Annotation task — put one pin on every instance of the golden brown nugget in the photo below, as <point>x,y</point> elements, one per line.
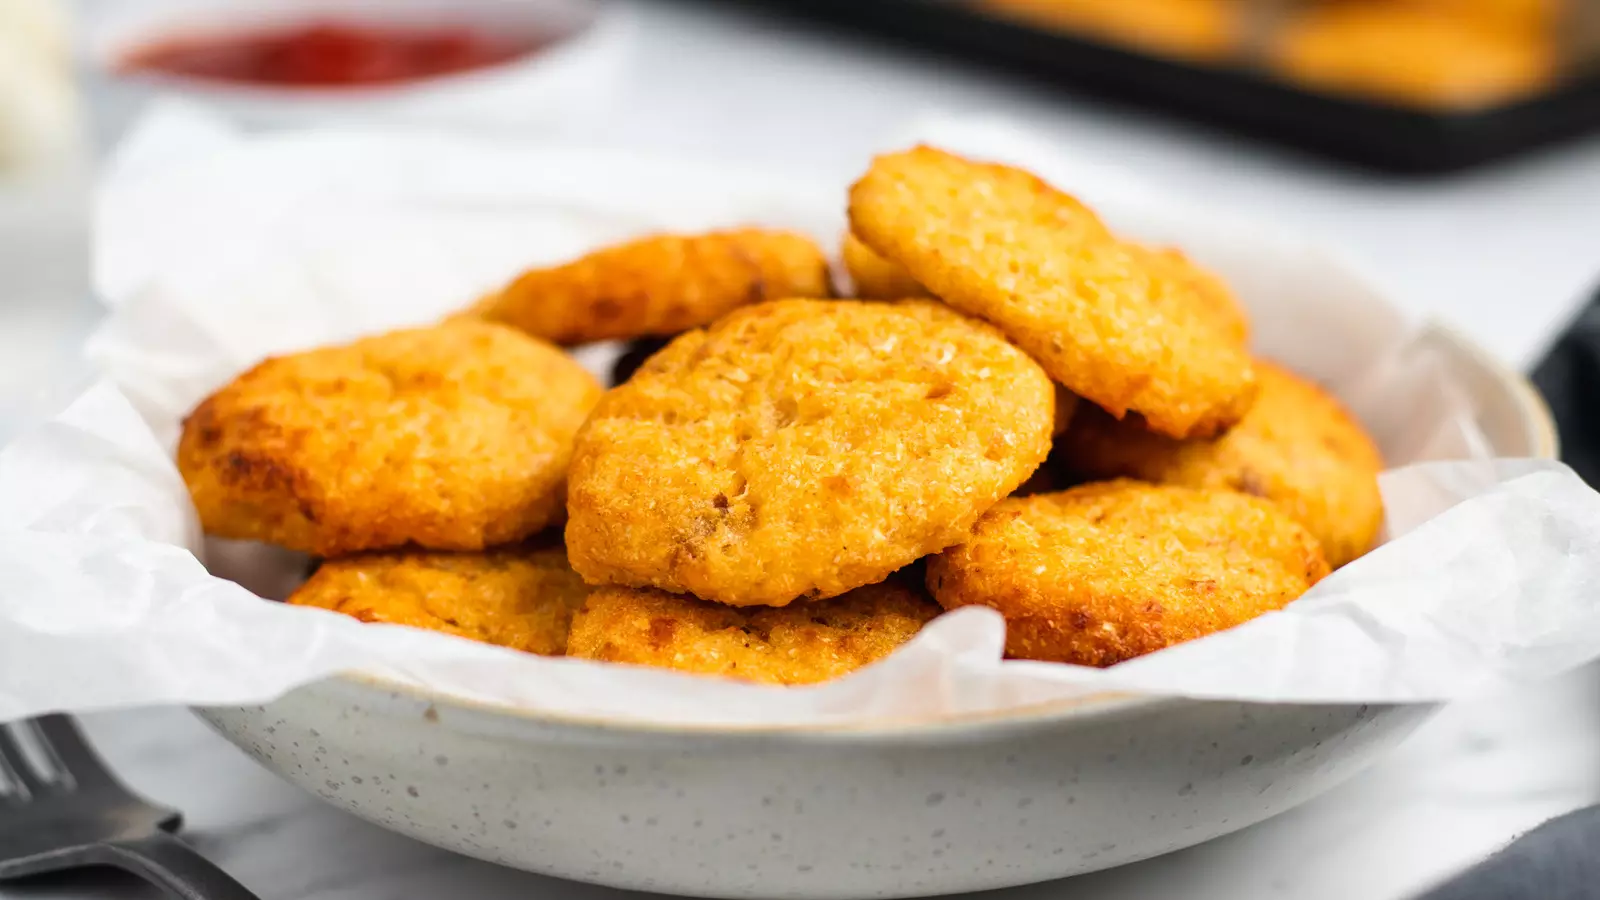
<point>876,278</point>
<point>1002,245</point>
<point>802,643</point>
<point>1210,295</point>
<point>1112,570</point>
<point>514,597</point>
<point>659,285</point>
<point>1297,447</point>
<point>449,438</point>
<point>803,448</point>
<point>1415,56</point>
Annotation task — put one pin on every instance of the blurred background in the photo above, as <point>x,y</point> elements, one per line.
<point>1446,144</point>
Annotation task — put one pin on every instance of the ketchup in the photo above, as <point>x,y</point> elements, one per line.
<point>328,54</point>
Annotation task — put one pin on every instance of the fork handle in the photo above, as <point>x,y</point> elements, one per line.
<point>173,866</point>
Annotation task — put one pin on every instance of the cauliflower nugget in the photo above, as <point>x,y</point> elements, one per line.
<point>803,448</point>
<point>1297,447</point>
<point>514,597</point>
<point>659,285</point>
<point>802,643</point>
<point>1003,245</point>
<point>1112,570</point>
<point>448,438</point>
<point>876,278</point>
<point>1209,295</point>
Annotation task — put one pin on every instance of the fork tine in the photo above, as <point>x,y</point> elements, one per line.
<point>60,737</point>
<point>10,784</point>
<point>15,763</point>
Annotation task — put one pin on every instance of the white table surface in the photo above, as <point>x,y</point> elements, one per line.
<point>1504,252</point>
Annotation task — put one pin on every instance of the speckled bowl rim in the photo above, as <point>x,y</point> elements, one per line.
<point>1539,432</point>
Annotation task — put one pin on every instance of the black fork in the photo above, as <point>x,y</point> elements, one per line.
<point>60,808</point>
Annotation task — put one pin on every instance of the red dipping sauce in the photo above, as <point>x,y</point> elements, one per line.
<point>329,54</point>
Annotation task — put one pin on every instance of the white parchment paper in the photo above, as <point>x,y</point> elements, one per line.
<point>215,250</point>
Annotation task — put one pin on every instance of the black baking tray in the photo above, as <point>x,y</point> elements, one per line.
<point>1368,133</point>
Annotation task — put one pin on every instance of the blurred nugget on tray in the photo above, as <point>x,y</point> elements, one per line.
<point>659,285</point>
<point>1445,55</point>
<point>450,438</point>
<point>1430,55</point>
<point>1197,30</point>
<point>518,597</point>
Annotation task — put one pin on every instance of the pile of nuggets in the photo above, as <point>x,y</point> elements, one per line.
<point>1018,409</point>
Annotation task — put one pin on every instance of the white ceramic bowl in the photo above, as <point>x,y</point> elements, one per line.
<point>894,809</point>
<point>561,85</point>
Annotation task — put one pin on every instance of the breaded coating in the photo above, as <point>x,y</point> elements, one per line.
<point>802,643</point>
<point>659,285</point>
<point>1112,570</point>
<point>876,278</point>
<point>1003,245</point>
<point>1415,55</point>
<point>515,597</point>
<point>1297,447</point>
<point>1183,29</point>
<point>802,448</point>
<point>455,437</point>
<point>1210,295</point>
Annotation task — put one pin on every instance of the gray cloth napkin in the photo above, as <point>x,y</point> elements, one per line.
<point>1559,860</point>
